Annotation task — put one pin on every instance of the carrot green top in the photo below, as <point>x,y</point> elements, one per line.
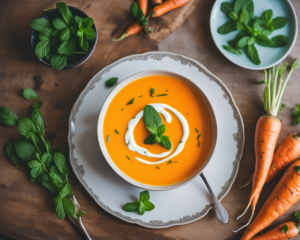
<point>273,91</point>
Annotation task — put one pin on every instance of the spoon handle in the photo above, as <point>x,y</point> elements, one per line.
<point>222,215</point>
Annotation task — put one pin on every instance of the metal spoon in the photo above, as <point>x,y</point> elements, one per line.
<point>222,215</point>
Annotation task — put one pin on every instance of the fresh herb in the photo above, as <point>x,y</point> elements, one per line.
<point>30,94</point>
<point>199,136</point>
<point>297,215</point>
<point>107,138</point>
<point>169,162</point>
<point>157,167</point>
<point>161,95</point>
<point>152,90</point>
<point>111,82</point>
<point>117,131</point>
<point>140,96</point>
<point>58,39</point>
<point>37,105</point>
<point>128,157</point>
<point>47,9</point>
<point>199,144</point>
<point>154,125</point>
<point>130,102</point>
<point>252,30</point>
<point>196,130</point>
<point>122,109</point>
<point>285,228</point>
<point>142,205</point>
<point>7,117</point>
<point>138,14</point>
<point>47,165</point>
<point>295,114</point>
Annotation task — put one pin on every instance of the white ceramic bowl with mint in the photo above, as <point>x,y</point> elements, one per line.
<point>268,56</point>
<point>101,138</point>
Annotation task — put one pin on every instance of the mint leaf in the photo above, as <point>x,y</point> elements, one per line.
<point>60,213</point>
<point>80,213</point>
<point>131,207</point>
<point>84,44</point>
<point>58,61</point>
<point>42,48</point>
<point>149,206</point>
<point>46,182</point>
<point>59,24</point>
<point>70,194</point>
<point>38,121</point>
<point>60,162</point>
<point>34,164</point>
<point>87,23</point>
<point>65,190</point>
<point>151,139</point>
<point>279,22</point>
<point>25,150</point>
<point>78,21</point>
<point>11,152</point>
<point>37,105</point>
<point>142,208</point>
<point>44,36</point>
<point>165,142</point>
<point>36,168</point>
<point>144,196</point>
<point>134,9</point>
<point>65,34</point>
<point>30,94</point>
<point>67,47</point>
<point>161,130</point>
<point>297,215</point>
<point>65,13</point>
<point>46,159</point>
<point>55,178</point>
<point>68,206</point>
<point>111,82</point>
<point>26,126</point>
<point>152,119</point>
<point>41,25</point>
<point>7,117</point>
<point>89,34</point>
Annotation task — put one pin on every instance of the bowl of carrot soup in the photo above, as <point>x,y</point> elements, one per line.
<point>157,130</point>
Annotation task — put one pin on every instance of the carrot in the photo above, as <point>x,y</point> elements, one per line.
<point>167,6</point>
<point>283,197</point>
<point>279,234</point>
<point>287,152</point>
<point>266,134</point>
<point>135,28</point>
<point>156,2</point>
<point>143,4</point>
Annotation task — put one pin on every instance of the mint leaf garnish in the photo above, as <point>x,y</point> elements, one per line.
<point>142,205</point>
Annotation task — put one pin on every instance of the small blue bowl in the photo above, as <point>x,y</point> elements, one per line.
<point>75,60</point>
<point>268,56</point>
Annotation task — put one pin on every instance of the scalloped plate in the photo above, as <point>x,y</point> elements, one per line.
<point>110,191</point>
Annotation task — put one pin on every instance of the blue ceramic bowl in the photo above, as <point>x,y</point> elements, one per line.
<point>77,59</point>
<point>268,56</point>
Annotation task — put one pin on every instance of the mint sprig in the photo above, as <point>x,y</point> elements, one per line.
<point>154,125</point>
<point>142,205</point>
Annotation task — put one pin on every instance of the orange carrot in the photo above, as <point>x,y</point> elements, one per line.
<point>135,28</point>
<point>167,6</point>
<point>266,134</point>
<point>143,4</point>
<point>283,197</point>
<point>156,2</point>
<point>278,233</point>
<point>287,152</point>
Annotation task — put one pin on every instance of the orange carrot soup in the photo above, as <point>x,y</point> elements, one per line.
<point>183,105</point>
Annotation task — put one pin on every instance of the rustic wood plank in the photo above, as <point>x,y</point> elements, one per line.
<point>27,210</point>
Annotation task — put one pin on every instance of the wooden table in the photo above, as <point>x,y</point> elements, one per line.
<point>27,210</point>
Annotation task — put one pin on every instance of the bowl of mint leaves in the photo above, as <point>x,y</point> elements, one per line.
<point>64,37</point>
<point>254,34</point>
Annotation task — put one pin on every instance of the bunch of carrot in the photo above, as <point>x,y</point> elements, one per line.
<point>159,9</point>
<point>268,165</point>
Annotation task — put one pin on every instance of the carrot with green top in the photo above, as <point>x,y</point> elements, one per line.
<point>287,152</point>
<point>136,27</point>
<point>167,6</point>
<point>284,196</point>
<point>267,130</point>
<point>284,231</point>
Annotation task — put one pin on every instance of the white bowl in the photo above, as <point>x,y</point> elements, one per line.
<point>101,121</point>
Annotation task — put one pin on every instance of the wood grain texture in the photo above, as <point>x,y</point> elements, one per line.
<point>27,211</point>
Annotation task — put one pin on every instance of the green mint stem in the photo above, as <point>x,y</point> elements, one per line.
<point>44,142</point>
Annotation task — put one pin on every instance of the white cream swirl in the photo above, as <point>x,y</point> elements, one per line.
<point>131,144</point>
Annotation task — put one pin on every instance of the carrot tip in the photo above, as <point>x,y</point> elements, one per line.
<point>120,38</point>
<point>246,225</point>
